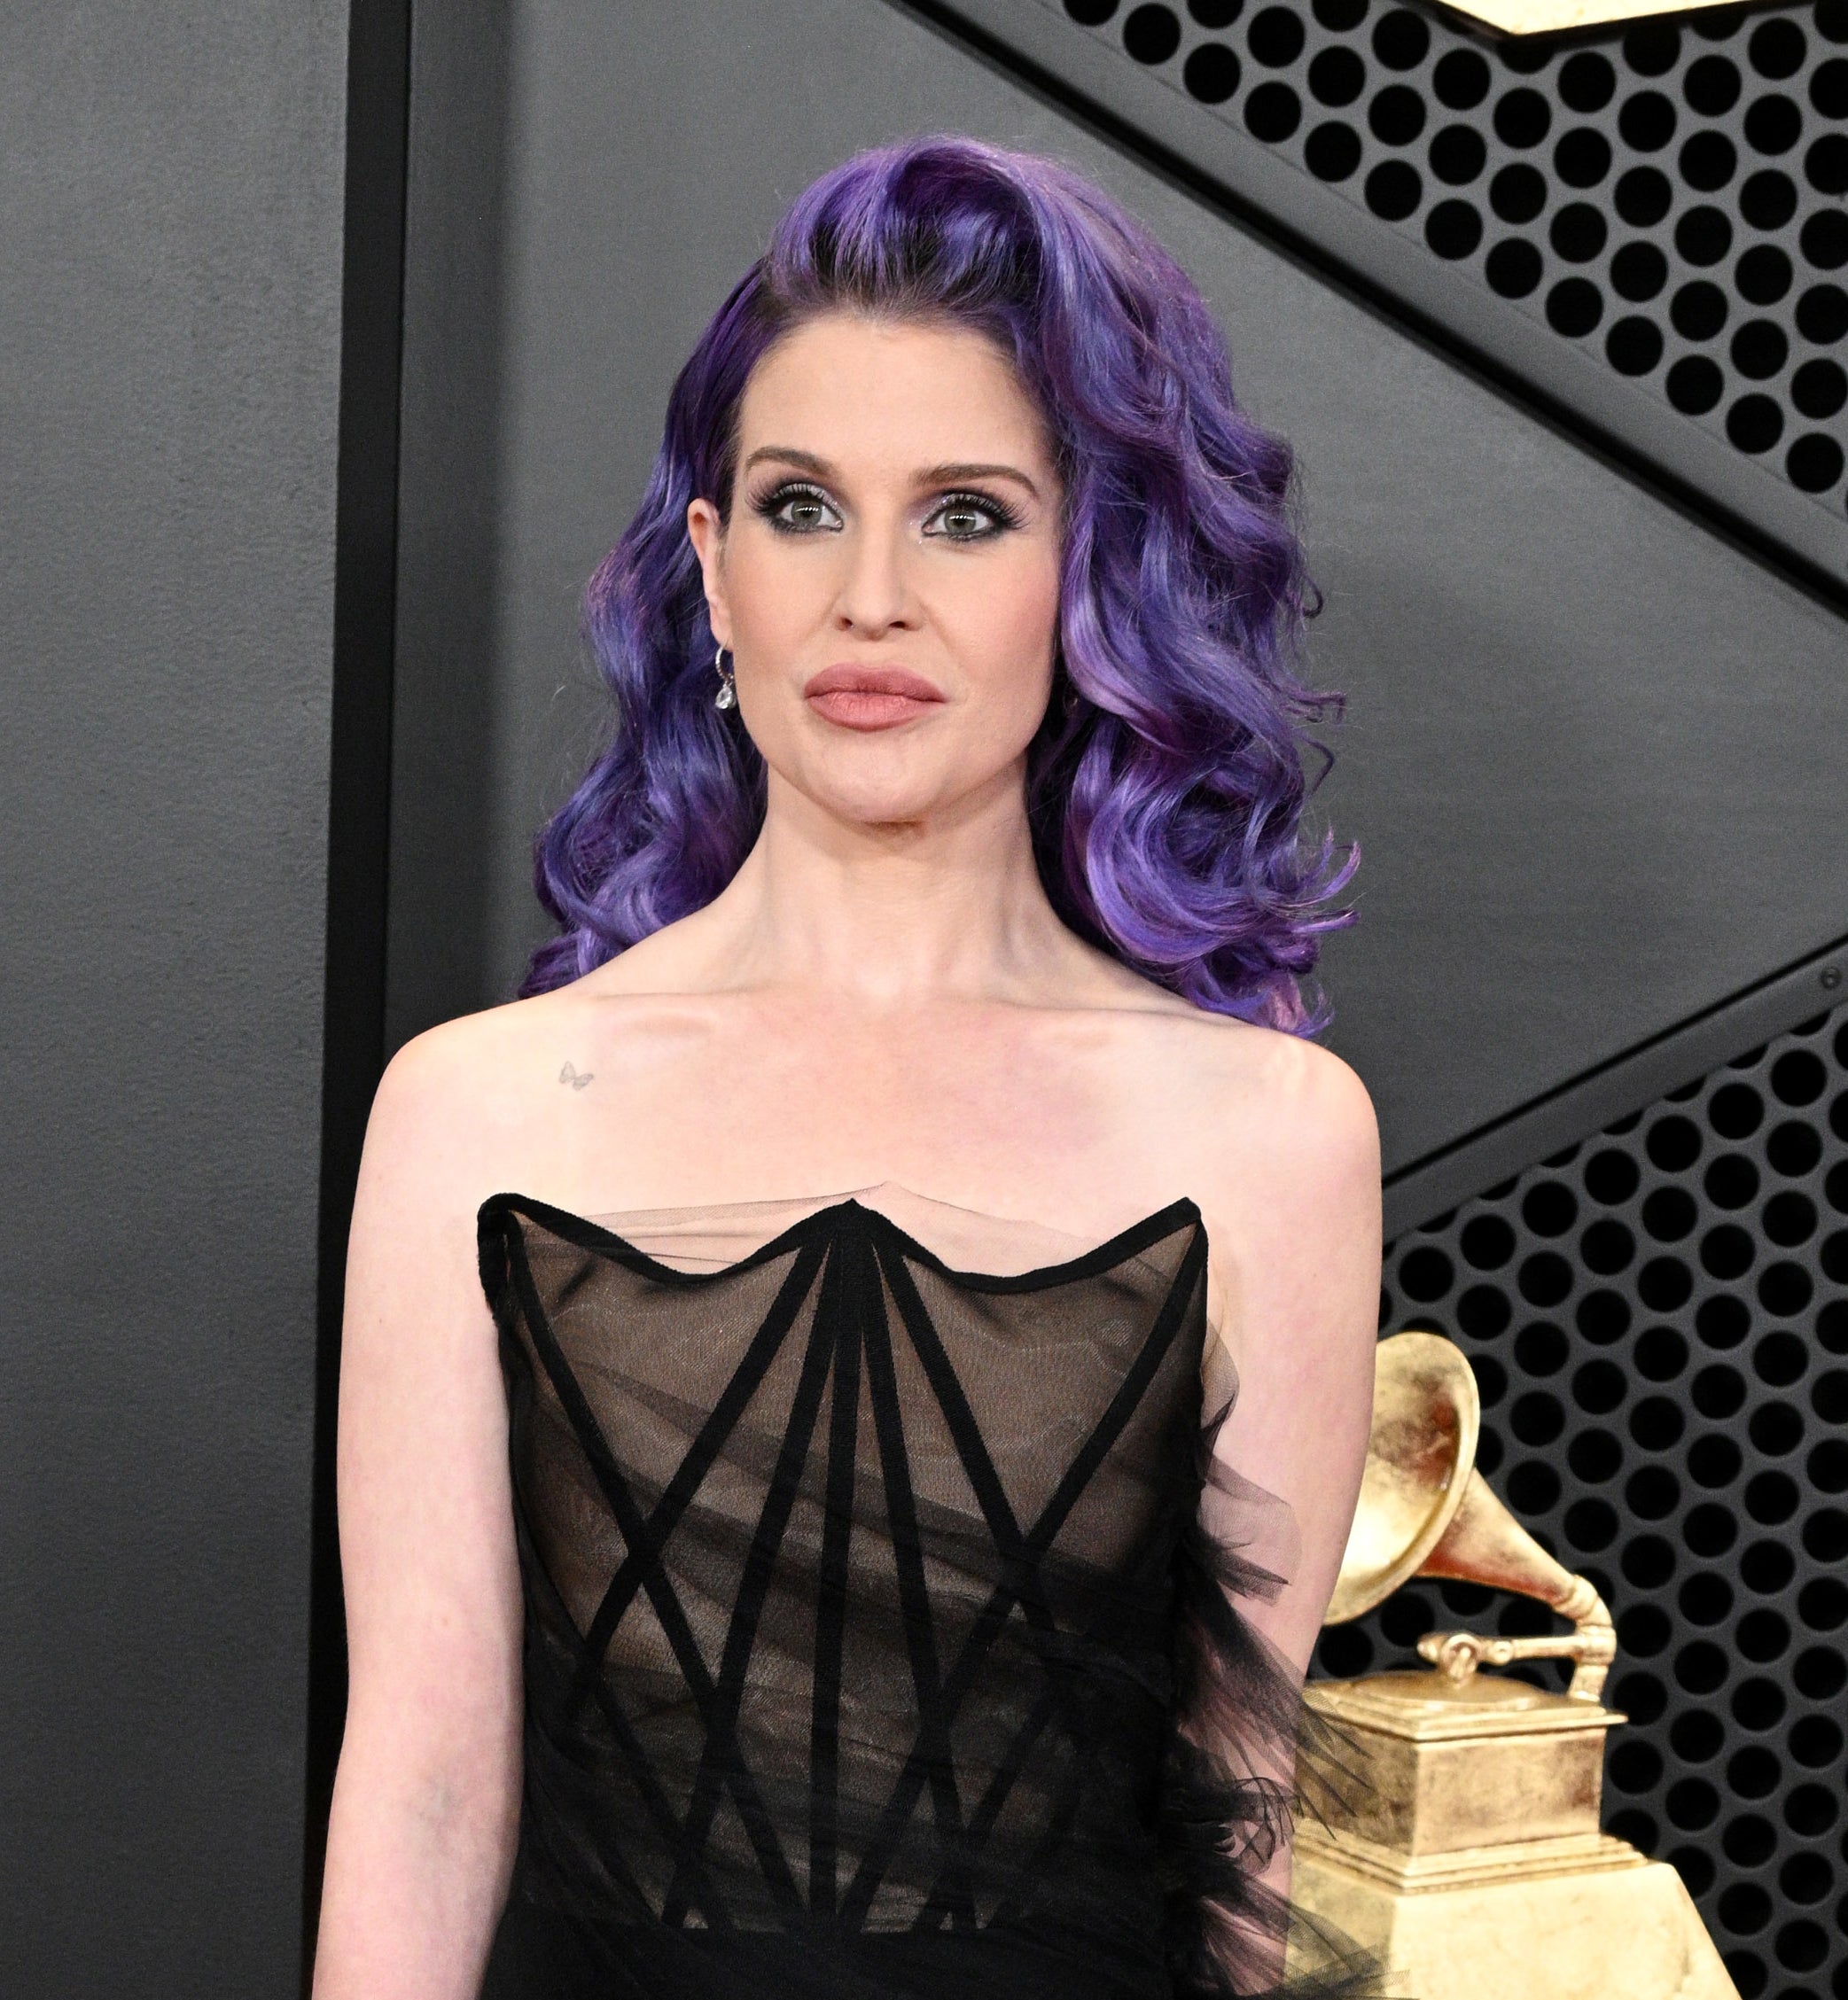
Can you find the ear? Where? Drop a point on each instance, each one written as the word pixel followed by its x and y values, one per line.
pixel 707 532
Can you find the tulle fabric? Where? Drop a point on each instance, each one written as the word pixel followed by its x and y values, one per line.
pixel 883 1626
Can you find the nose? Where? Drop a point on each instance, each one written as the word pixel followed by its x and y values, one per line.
pixel 876 595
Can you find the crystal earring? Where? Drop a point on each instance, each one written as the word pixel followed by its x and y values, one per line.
pixel 728 693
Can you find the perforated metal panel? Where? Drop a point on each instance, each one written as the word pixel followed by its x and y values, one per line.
pixel 1667 197
pixel 1659 1322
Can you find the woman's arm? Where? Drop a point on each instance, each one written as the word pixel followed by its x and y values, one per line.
pixel 425 1805
pixel 1307 1293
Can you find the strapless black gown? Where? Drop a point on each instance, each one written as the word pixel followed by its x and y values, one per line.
pixel 872 1629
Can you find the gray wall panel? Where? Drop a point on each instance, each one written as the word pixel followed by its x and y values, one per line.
pixel 1593 748
pixel 170 298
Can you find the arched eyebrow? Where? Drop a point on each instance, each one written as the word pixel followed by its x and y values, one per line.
pixel 933 476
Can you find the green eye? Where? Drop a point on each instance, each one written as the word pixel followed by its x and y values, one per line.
pixel 970 517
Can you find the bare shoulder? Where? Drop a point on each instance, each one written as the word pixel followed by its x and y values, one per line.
pixel 457 1102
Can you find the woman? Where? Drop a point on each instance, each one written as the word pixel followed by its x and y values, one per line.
pixel 858 1591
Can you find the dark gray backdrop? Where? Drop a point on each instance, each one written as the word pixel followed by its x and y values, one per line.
pixel 170 260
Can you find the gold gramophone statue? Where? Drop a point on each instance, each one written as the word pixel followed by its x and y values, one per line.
pixel 1470 1861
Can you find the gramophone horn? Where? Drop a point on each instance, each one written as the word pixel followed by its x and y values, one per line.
pixel 1425 1511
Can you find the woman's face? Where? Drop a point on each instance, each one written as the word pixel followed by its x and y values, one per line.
pixel 887 584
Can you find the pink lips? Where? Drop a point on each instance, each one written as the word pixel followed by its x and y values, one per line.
pixel 870 697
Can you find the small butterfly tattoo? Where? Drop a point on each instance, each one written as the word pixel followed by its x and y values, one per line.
pixel 569 1075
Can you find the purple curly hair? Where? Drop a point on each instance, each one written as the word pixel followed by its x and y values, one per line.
pixel 1166 785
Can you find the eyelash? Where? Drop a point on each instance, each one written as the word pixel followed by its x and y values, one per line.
pixel 768 505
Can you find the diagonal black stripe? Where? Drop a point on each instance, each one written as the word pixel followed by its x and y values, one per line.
pixel 644 1557
pixel 667 1607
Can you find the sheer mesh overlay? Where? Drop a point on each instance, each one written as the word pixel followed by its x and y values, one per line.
pixel 882 1628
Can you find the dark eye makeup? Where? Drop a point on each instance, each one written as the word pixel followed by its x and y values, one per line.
pixel 799 506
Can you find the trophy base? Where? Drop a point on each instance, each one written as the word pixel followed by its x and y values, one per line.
pixel 1579 1917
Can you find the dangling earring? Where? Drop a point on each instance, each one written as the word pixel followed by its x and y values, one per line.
pixel 728 693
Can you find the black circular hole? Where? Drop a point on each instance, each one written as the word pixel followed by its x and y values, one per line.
pixel 1829 87
pixel 1275 36
pixel 1798 1077
pixel 1823 1605
pixel 1216 13
pixel 1460 80
pixel 1541 1349
pixel 1827 1466
pixel 1771 1498
pixel 1790 1218
pixel 1710 1528
pixel 1731 1180
pixel 1151 33
pixel 1595 1456
pixel 1664 1284
pixel 1784 1289
pixel 1536 1418
pixel 1641 1697
pixel 1491 1379
pixel 1722 1321
pixel 1587 82
pixel 1795 1148
pixel 1545 1278
pixel 1825 1534
pixel 1517 194
pixel 1652 1493
pixel 1824 165
pixel 1822 314
pixel 1813 464
pixel 1711 85
pixel 1578 232
pixel 1764 274
pixel 1745 1909
pixel 1707 163
pixel 1762 1637
pixel 1634 1766
pixel 1599 1388
pixel 1550 1209
pixel 1643 197
pixel 1340 15
pixel 1816 1741
pixel 1691 1804
pixel 1642 1631
pixel 1607 1248
pixel 1696 1735
pixel 1819 1673
pixel 1400 39
pixel 1332 151
pixel 1271 112
pixel 1211 73
pixel 1673 1143
pixel 1767 1566
pixel 1426 1275
pixel 1768 199
pixel 1703 236
pixel 1777 49
pixel 1336 76
pixel 1633 345
pixel 1775 1429
pixel 1718 1390
pixel 1754 424
pixel 1483 1312
pixel 1698 310
pixel 1453 228
pixel 1647 121
pixel 1393 190
pixel 1582 158
pixel 1602 1316
pixel 1726 1251
pixel 1780 1360
pixel 1713 1461
pixel 1396 116
pixel 1590 1525
pixel 1533 1487
pixel 1805 1878
pixel 1669 1214
pixel 1651 48
pixel 1824 240
pixel 1819 389
pixel 1522 118
pixel 1513 267
pixel 1574 306
pixel 1828 1398
pixel 1661 1354
pixel 1091 13
pixel 1610 1176
pixel 1772 125
pixel 1405 1617
pixel 1760 350
pixel 1344 1651
pixel 1457 154
pixel 1736 1111
pixel 1749 1840
pixel 1759 1703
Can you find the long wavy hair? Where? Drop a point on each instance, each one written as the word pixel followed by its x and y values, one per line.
pixel 1166 782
